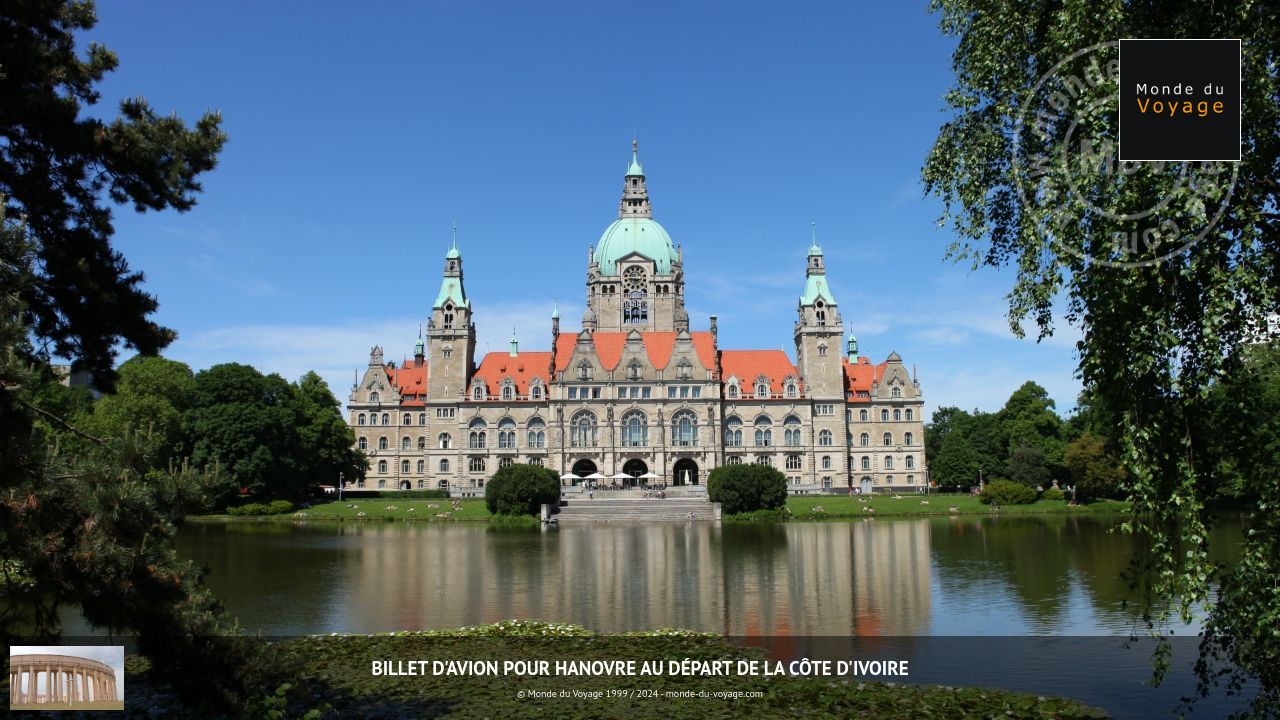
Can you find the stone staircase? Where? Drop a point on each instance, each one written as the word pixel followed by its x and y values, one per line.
pixel 635 509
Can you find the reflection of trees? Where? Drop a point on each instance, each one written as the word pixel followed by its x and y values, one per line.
pixel 1032 555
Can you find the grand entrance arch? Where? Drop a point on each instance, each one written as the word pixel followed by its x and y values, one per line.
pixel 635 467
pixel 583 468
pixel 685 472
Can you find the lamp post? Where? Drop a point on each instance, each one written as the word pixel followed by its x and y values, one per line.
pixel 339 487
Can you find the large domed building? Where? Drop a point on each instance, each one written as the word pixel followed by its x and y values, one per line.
pixel 636 392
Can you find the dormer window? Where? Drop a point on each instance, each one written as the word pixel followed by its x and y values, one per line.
pixel 762 388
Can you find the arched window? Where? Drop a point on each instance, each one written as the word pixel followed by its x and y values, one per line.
pixel 764 431
pixel 475 464
pixel 360 419
pixel 535 389
pixel 444 440
pixel 888 438
pixel 537 433
pixel 422 418
pixel 793 462
pixel 864 440
pixel 733 460
pixel 476 435
pixel 762 388
pixel 824 437
pixel 897 414
pixel 862 415
pixel 583 427
pixel 386 418
pixel 911 479
pixel 404 467
pixel 508 390
pixel 791 388
pixel 422 466
pixel 732 391
pixel 635 430
pixel 909 439
pixel 896 392
pixel 382 443
pixel 888 462
pixel 826 462
pixel 791 431
pixel 884 416
pixel 505 462
pixel 373 397
pixel 506 433
pixel 448 315
pixel 422 442
pixel 406 420
pixel 444 466
pixel 404 442
pixel 733 432
pixel 866 462
pixel 362 443
pixel 477 391
pixel 911 462
pixel 910 415
pixel 684 429
pixel 382 466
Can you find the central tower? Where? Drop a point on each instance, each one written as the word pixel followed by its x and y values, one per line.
pixel 634 276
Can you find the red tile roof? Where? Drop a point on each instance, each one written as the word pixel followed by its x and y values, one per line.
pixel 747 365
pixel 859 376
pixel 410 381
pixel 522 368
pixel 659 345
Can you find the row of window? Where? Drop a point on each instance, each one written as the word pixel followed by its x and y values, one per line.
pixel 635 429
pixel 673 392
pixel 476 464
pixel 865 416
pixel 909 462
pixel 508 391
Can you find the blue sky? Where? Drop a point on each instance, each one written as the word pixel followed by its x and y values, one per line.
pixel 360 132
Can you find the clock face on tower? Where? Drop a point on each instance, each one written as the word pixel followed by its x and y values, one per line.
pixel 634 279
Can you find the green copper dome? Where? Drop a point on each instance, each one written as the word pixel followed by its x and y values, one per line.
pixel 635 235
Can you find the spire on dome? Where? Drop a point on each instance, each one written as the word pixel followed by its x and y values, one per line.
pixel 851 346
pixel 453 249
pixel 515 344
pixel 635 167
pixel 555 309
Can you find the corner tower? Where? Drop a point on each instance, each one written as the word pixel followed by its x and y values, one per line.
pixel 635 279
pixel 818 330
pixel 451 334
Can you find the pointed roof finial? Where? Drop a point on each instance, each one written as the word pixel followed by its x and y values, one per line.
pixel 555 309
pixel 635 167
pixel 453 248
pixel 814 249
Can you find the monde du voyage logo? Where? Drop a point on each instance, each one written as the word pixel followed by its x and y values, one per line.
pixel 1180 100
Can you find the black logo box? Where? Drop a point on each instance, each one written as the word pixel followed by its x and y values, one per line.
pixel 1187 68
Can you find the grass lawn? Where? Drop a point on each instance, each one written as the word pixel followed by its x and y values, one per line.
pixel 332 675
pixel 378 509
pixel 844 506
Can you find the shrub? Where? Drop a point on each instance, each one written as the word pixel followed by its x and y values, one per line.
pixel 521 490
pixel 1053 494
pixel 747 488
pixel 1003 492
pixel 275 507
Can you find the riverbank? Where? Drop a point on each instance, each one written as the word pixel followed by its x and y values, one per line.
pixel 332 675
pixel 802 507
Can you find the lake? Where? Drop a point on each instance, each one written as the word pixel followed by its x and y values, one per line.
pixel 962 582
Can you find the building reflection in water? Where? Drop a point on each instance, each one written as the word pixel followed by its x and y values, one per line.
pixel 862 578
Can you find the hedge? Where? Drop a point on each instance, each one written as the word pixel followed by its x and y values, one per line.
pixel 1004 492
pixel 747 488
pixel 275 507
pixel 521 490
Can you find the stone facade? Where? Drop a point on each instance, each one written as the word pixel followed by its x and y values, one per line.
pixel 636 391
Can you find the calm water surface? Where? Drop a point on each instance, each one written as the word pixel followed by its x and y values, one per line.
pixel 892 577
pixel 934 591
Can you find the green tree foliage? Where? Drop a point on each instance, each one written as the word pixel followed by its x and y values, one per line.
pixel 1027 467
pixel 747 488
pixel 1094 472
pixel 150 397
pixel 1028 419
pixel 269 437
pixel 521 490
pixel 1156 337
pixel 1005 492
pixel 61 171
